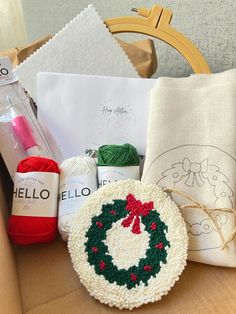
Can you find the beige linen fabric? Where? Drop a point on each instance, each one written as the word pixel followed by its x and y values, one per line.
pixel 191 147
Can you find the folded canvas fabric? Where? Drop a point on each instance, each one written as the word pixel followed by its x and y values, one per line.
pixel 83 46
pixel 191 147
pixel 142 54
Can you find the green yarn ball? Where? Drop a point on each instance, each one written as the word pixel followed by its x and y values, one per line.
pixel 117 155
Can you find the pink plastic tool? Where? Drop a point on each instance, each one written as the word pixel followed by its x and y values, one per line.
pixel 23 132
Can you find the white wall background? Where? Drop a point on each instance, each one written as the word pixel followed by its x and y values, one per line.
pixel 12 26
pixel 210 24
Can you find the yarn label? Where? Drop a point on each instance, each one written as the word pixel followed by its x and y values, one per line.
pixel 35 194
pixel 73 192
pixel 108 174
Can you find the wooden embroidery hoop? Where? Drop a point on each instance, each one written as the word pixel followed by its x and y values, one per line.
pixel 155 22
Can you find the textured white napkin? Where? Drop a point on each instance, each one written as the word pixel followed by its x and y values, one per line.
pixel 191 147
pixel 83 46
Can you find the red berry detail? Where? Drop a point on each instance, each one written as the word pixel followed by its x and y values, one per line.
pixel 94 249
pixel 147 268
pixel 113 212
pixel 133 277
pixel 102 265
pixel 99 224
pixel 153 226
pixel 159 245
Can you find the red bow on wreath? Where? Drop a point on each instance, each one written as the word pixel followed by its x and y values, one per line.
pixel 136 209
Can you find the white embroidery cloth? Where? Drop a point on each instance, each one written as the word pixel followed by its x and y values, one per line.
pixel 83 46
pixel 191 147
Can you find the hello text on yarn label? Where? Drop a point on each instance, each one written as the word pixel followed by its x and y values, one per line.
pixel 108 174
pixel 74 191
pixel 35 194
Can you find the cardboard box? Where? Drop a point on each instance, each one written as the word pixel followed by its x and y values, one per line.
pixel 39 279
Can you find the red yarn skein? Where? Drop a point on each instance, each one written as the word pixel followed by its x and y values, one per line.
pixel 25 230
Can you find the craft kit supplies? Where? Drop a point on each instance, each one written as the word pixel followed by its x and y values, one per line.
pixel 20 132
pixel 128 244
pixel 117 162
pixel 77 41
pixel 97 109
pixel 78 180
pixel 35 195
pixel 191 148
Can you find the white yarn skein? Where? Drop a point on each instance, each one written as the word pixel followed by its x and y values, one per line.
pixel 71 167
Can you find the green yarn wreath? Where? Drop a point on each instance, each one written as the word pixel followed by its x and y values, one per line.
pixel 97 251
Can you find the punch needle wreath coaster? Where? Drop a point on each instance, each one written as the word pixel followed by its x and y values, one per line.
pixel 128 244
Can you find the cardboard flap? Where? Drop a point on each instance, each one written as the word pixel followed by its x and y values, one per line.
pixel 10 302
